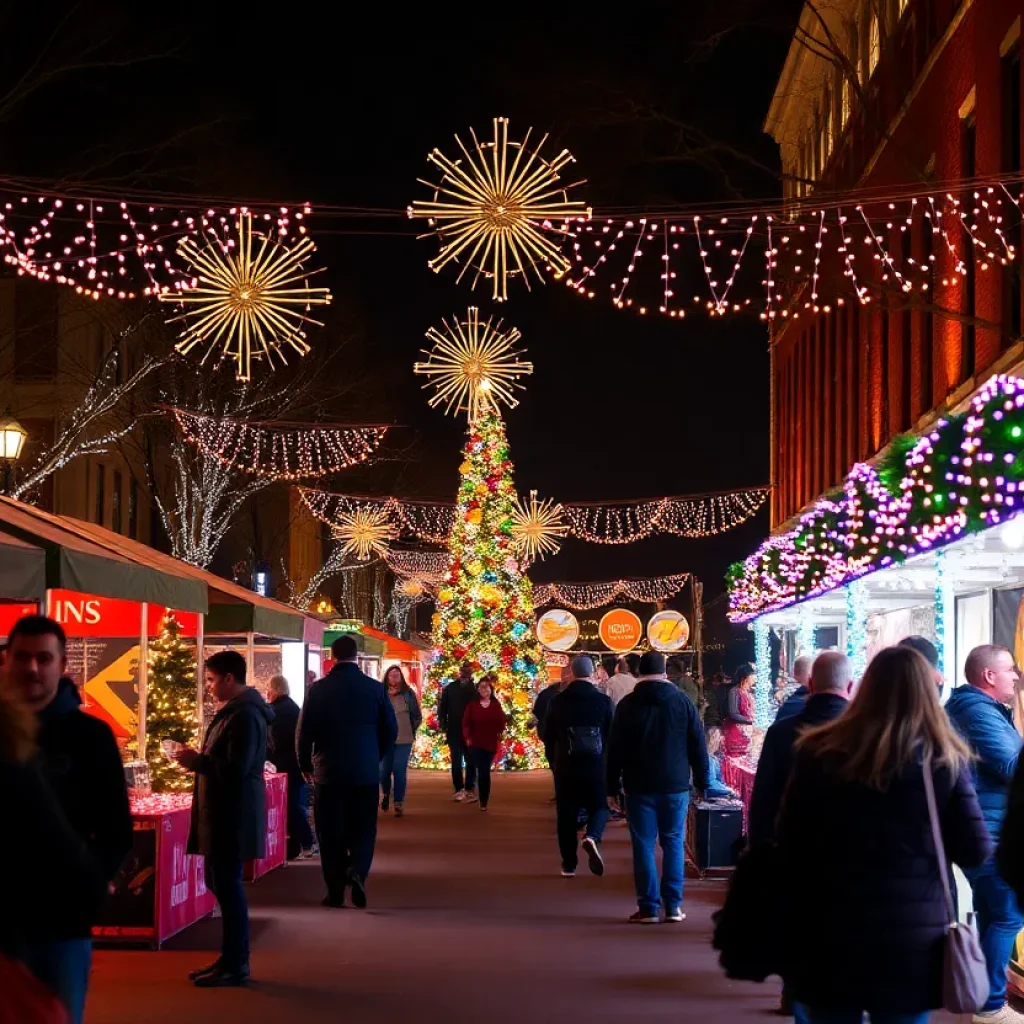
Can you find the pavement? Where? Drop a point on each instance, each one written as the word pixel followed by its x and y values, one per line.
pixel 469 920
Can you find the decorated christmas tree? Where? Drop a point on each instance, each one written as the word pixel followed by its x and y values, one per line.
pixel 485 605
pixel 170 704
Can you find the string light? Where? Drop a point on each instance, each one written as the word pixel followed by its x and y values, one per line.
pixel 279 451
pixel 364 532
pixel 537 527
pixel 857 627
pixel 474 369
pixel 490 205
pixel 422 566
pixel 763 668
pixel 583 596
pixel 945 606
pixel 245 304
pixel 805 635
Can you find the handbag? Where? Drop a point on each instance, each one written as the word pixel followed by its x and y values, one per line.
pixel 965 985
pixel 584 741
pixel 26 999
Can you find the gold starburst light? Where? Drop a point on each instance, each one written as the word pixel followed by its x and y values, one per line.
pixel 250 301
pixel 491 205
pixel 473 367
pixel 364 532
pixel 537 527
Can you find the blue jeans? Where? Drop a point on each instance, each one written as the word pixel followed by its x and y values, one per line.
pixel 660 817
pixel 999 923
pixel 396 763
pixel 63 967
pixel 224 880
pixel 299 831
pixel 855 1016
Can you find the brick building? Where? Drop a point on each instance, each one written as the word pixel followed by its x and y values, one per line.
pixel 877 95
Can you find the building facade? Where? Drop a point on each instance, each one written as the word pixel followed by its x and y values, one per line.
pixel 885 97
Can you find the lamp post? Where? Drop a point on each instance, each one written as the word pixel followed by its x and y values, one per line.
pixel 12 441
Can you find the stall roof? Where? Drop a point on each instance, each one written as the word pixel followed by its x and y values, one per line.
pixel 75 561
pixel 233 610
pixel 403 650
pixel 24 570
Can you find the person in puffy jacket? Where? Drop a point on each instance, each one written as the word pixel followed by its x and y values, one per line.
pixel 981 713
pixel 483 723
pixel 281 754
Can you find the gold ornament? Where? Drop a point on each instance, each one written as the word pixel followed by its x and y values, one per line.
pixel 489 210
pixel 246 305
pixel 365 531
pixel 537 527
pixel 473 367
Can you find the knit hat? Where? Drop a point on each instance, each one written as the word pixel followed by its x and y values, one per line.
pixel 652 664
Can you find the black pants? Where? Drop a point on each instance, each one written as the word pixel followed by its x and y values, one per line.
pixel 460 753
pixel 346 826
pixel 571 797
pixel 481 761
pixel 224 880
pixel 300 835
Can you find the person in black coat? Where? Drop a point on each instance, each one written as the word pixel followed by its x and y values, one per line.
pixel 451 709
pixel 576 730
pixel 795 701
pixel 346 727
pixel 229 814
pixel 81 766
pixel 282 755
pixel 855 836
pixel 829 687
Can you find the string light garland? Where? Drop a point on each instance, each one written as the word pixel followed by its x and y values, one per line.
pixel 280 451
pixel 424 566
pixel 364 532
pixel 857 627
pixel 491 206
pixel 537 527
pixel 963 476
pixel 583 596
pixel 248 301
pixel 474 369
pixel 763 668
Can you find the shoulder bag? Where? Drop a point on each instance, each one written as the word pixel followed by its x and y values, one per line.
pixel 965 985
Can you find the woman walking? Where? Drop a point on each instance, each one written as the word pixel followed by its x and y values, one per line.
pixel 395 765
pixel 855 829
pixel 482 726
pixel 738 715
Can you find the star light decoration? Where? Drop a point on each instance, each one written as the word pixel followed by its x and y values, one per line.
pixel 494 208
pixel 365 531
pixel 474 367
pixel 537 527
pixel 250 300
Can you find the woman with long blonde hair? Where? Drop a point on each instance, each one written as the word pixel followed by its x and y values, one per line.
pixel 870 918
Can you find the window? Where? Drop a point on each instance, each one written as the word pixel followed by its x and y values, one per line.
pixel 874 44
pixel 826 131
pixel 115 503
pixel 968 145
pixel 101 493
pixel 1010 165
pixel 35 331
pixel 901 6
pixel 133 509
pixel 844 110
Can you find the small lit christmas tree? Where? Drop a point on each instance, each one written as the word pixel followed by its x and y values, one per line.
pixel 485 606
pixel 170 704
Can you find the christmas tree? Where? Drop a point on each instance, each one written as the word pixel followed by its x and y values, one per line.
pixel 485 605
pixel 170 704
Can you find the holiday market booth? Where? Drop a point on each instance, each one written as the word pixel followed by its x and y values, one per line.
pixel 378 651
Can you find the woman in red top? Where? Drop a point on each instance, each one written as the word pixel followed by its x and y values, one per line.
pixel 482 725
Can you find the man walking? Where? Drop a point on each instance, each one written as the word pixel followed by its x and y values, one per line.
pixel 577 728
pixel 981 712
pixel 229 813
pixel 794 703
pixel 281 752
pixel 455 698
pixel 346 727
pixel 82 765
pixel 656 741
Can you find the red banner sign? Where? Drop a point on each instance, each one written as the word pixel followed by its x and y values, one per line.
pixel 83 615
pixel 277 828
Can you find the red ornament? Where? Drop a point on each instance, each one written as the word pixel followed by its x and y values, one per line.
pixel 518 748
pixel 459 652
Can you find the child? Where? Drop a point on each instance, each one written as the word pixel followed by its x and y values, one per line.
pixel 717 789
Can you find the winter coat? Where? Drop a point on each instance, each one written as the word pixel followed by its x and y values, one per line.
pixel 541 707
pixel 281 738
pixel 1010 855
pixel 987 726
pixel 776 763
pixel 229 796
pixel 656 742
pixel 451 708
pixel 346 727
pixel 579 706
pixel 82 765
pixel 869 916
pixel 793 704
pixel 482 726
pixel 415 714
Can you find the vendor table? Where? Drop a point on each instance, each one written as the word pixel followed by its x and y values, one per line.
pixel 739 773
pixel 277 829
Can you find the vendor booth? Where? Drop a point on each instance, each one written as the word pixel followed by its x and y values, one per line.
pixel 378 651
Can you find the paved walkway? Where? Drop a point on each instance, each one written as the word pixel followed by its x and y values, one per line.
pixel 469 921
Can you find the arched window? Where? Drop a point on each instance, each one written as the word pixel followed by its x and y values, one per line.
pixel 874 44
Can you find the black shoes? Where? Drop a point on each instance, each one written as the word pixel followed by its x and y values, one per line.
pixel 208 969
pixel 385 803
pixel 223 978
pixel 333 902
pixel 594 858
pixel 358 890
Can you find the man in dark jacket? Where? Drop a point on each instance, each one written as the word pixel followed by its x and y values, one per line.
pixel 656 742
pixel 795 702
pixel 346 727
pixel 229 812
pixel 282 755
pixel 82 766
pixel 829 687
pixel 981 713
pixel 455 698
pixel 576 730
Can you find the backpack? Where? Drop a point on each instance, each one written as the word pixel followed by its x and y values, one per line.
pixel 584 741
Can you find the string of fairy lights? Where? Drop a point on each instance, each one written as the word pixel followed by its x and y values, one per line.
pixel 584 596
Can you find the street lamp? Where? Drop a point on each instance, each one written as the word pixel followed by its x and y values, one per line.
pixel 12 441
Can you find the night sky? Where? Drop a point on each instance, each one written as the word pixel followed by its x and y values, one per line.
pixel 341 108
